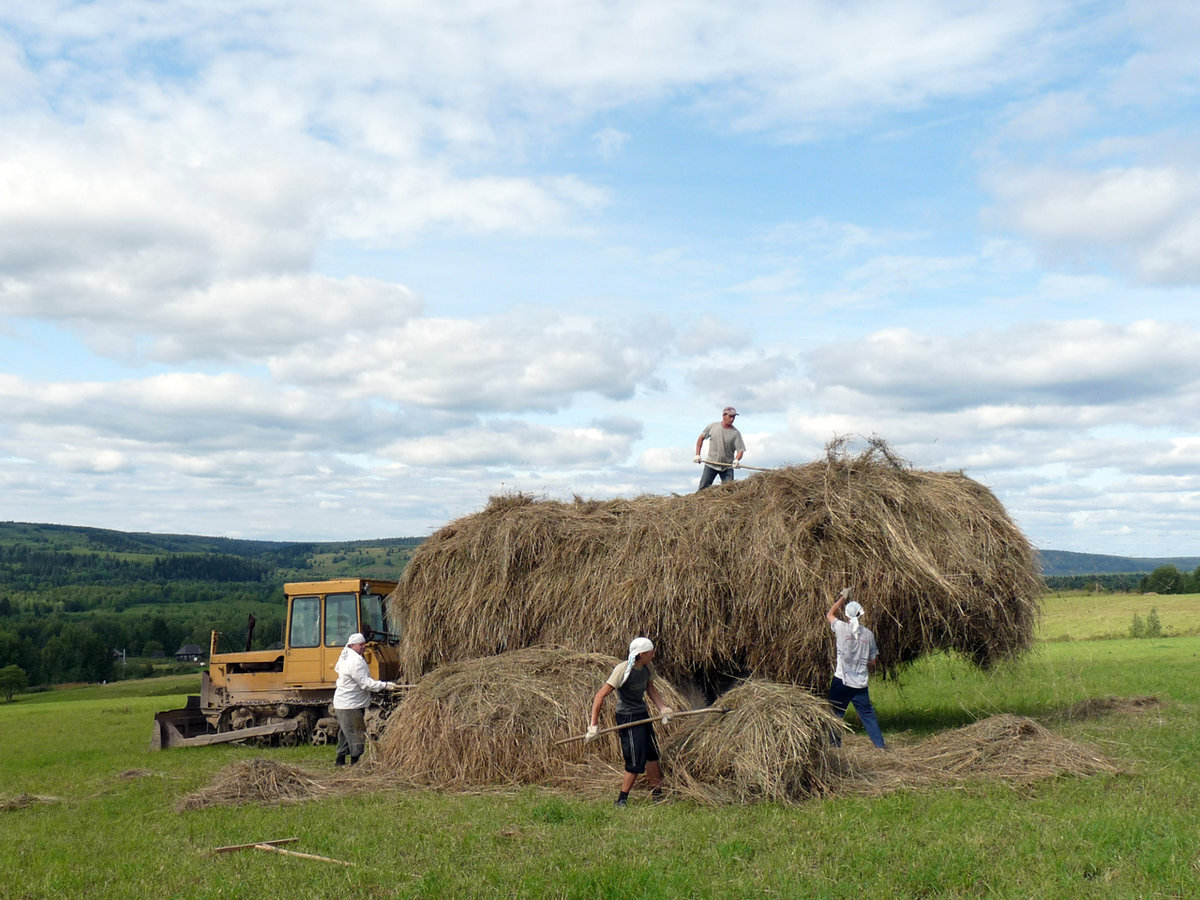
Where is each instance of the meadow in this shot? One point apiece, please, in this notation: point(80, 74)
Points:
point(86, 809)
point(1083, 615)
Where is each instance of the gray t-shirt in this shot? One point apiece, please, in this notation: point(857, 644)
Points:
point(631, 696)
point(722, 442)
point(853, 653)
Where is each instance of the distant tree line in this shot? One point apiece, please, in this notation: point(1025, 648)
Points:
point(29, 569)
point(1163, 580)
point(53, 645)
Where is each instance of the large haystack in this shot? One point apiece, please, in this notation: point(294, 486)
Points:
point(495, 720)
point(734, 580)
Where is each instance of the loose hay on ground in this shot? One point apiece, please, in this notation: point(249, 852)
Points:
point(771, 745)
point(1005, 747)
point(495, 720)
point(732, 581)
point(1098, 706)
point(256, 781)
point(23, 801)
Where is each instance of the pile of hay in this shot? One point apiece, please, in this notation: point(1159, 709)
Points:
point(1099, 706)
point(1009, 747)
point(773, 744)
point(732, 581)
point(1003, 747)
point(495, 720)
point(255, 781)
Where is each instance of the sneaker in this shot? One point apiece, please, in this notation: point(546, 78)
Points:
point(620, 802)
point(657, 795)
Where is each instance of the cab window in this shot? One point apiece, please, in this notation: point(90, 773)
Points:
point(306, 622)
point(341, 619)
point(372, 613)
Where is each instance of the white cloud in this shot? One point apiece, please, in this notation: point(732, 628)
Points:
point(521, 361)
point(515, 446)
point(1143, 219)
point(609, 142)
point(1078, 363)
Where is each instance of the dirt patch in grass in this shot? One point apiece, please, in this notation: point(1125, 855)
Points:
point(134, 774)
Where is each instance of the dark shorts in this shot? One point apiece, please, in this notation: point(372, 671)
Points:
point(638, 745)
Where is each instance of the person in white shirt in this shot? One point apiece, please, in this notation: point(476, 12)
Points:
point(352, 696)
point(856, 656)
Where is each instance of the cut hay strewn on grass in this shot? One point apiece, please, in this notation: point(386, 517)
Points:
point(1099, 706)
point(256, 781)
point(772, 745)
point(732, 581)
point(494, 721)
point(24, 801)
point(1004, 747)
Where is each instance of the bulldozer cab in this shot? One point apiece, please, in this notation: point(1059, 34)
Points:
point(322, 614)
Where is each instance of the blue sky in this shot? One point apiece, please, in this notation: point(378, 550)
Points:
point(327, 271)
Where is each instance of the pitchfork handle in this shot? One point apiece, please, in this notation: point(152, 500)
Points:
point(674, 715)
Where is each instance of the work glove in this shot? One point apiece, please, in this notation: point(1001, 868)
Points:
point(666, 712)
point(392, 686)
point(737, 463)
point(696, 458)
point(845, 594)
point(592, 732)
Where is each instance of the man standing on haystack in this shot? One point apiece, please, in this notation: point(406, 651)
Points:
point(725, 449)
point(352, 696)
point(856, 655)
point(632, 680)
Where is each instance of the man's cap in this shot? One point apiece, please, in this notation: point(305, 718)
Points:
point(356, 638)
point(729, 411)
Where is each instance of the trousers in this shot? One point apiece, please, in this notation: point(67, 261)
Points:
point(842, 695)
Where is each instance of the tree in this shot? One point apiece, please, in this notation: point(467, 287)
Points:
point(12, 680)
point(1138, 628)
point(1153, 625)
point(1163, 580)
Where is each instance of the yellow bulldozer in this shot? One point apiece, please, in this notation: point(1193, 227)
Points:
point(285, 695)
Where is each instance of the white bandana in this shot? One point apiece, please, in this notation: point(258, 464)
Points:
point(637, 646)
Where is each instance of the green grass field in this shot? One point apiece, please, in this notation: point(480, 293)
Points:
point(1082, 615)
point(96, 815)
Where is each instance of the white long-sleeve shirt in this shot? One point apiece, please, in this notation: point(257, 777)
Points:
point(354, 682)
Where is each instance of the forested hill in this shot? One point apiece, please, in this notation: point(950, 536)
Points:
point(1064, 562)
point(71, 597)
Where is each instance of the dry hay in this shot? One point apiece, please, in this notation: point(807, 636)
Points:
point(771, 745)
point(255, 781)
point(732, 581)
point(1099, 706)
point(495, 720)
point(1004, 747)
point(23, 801)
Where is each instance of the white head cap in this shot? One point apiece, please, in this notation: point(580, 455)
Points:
point(640, 645)
point(853, 611)
point(355, 638)
point(637, 646)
